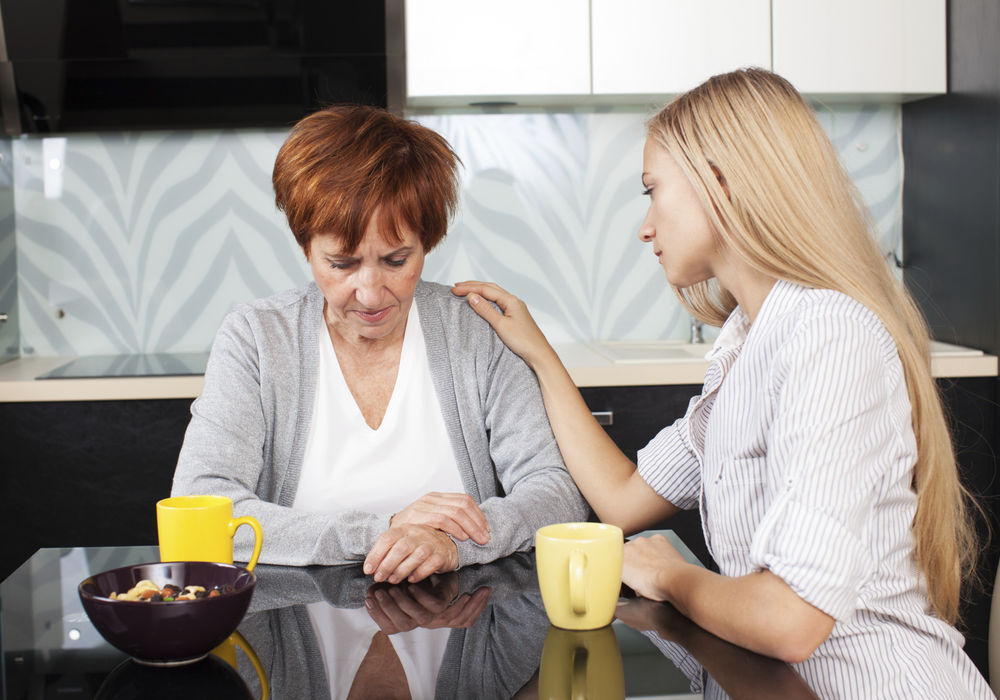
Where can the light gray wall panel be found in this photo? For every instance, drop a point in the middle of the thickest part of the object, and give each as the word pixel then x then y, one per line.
pixel 155 235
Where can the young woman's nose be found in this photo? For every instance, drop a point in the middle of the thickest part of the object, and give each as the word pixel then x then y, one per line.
pixel 646 230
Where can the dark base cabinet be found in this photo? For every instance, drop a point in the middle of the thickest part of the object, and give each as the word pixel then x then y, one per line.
pixel 638 414
pixel 85 473
pixel 972 405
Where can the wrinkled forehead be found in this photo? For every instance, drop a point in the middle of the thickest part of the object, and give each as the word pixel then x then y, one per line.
pixel 380 236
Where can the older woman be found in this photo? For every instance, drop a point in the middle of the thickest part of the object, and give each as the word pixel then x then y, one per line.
pixel 370 415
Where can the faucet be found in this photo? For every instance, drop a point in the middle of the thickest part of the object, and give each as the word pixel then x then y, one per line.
pixel 696 336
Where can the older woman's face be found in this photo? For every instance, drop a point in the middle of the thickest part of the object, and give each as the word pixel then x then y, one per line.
pixel 368 291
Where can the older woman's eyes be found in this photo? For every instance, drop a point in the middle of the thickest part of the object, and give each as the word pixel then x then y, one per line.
pixel 396 262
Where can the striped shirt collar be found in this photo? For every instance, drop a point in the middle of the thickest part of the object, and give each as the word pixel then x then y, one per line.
pixel 737 327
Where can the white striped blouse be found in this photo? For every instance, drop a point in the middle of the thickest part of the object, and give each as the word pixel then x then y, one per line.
pixel 799 454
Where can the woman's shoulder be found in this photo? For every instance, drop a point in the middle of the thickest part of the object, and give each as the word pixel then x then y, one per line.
pixel 285 304
pixel 454 312
pixel 829 316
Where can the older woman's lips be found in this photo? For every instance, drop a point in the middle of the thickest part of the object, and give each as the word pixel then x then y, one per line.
pixel 373 316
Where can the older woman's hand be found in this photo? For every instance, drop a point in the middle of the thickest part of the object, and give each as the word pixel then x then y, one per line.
pixel 515 326
pixel 457 514
pixel 411 553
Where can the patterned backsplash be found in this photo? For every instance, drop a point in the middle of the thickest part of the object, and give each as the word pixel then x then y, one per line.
pixel 140 242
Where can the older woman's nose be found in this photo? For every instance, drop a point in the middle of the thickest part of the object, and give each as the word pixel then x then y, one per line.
pixel 369 286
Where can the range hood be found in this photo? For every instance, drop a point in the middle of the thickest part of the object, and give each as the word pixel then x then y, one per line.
pixel 93 65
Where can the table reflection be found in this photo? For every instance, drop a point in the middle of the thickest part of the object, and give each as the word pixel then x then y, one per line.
pixel 329 632
pixel 209 677
pixel 716 668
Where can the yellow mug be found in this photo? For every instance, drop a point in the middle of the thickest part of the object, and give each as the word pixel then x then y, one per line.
pixel 581 664
pixel 579 573
pixel 201 528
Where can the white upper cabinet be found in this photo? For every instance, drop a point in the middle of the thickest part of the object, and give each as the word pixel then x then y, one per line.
pixel 655 47
pixel 863 47
pixel 471 48
pixel 592 51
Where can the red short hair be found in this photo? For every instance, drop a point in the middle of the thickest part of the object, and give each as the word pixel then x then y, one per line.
pixel 342 164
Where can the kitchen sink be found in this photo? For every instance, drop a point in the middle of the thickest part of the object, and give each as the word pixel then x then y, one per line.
pixel 649 351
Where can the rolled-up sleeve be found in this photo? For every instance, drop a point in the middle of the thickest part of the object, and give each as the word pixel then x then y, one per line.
pixel 841 428
pixel 670 465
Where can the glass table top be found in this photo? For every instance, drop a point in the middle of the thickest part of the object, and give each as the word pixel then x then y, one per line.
pixel 330 632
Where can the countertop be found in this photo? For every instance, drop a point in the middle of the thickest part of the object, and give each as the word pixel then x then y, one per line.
pixel 626 363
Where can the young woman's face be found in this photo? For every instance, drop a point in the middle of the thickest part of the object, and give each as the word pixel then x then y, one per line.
pixel 368 291
pixel 675 223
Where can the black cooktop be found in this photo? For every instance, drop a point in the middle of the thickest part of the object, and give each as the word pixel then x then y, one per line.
pixel 160 364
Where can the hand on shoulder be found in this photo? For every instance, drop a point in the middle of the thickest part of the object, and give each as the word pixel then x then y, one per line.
pixel 513 322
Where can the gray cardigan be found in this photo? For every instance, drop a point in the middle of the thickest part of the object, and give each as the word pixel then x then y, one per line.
pixel 249 427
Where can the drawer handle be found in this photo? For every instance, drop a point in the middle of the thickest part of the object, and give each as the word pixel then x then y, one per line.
pixel 604 417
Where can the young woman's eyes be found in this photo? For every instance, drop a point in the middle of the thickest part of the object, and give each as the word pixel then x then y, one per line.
pixel 647 191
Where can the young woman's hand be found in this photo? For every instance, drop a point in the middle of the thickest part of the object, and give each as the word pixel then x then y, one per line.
pixel 648 561
pixel 457 514
pixel 513 323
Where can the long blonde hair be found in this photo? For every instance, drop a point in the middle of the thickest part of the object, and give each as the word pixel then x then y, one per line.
pixel 789 210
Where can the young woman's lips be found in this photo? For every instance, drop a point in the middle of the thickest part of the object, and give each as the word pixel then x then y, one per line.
pixel 373 316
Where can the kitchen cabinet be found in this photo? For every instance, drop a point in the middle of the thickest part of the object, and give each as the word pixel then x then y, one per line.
pixel 862 47
pixel 85 473
pixel 468 51
pixel 638 51
pixel 670 46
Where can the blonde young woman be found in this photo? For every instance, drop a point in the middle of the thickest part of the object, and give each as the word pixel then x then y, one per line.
pixel 817 451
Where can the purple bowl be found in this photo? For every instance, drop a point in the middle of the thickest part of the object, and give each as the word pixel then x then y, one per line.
pixel 167 632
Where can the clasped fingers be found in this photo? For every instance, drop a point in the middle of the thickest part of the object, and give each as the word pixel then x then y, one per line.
pixel 456 514
pixel 410 553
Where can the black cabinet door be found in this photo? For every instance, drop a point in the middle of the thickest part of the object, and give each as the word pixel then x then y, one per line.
pixel 85 473
pixel 637 414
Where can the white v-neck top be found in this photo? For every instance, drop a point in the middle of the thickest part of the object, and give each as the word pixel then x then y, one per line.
pixel 347 465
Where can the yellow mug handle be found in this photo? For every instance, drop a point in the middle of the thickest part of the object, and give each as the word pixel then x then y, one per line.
pixel 578 684
pixel 577 589
pixel 238 640
pixel 258 536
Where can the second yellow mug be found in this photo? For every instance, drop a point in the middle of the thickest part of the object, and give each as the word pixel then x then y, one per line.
pixel 201 528
pixel 579 573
